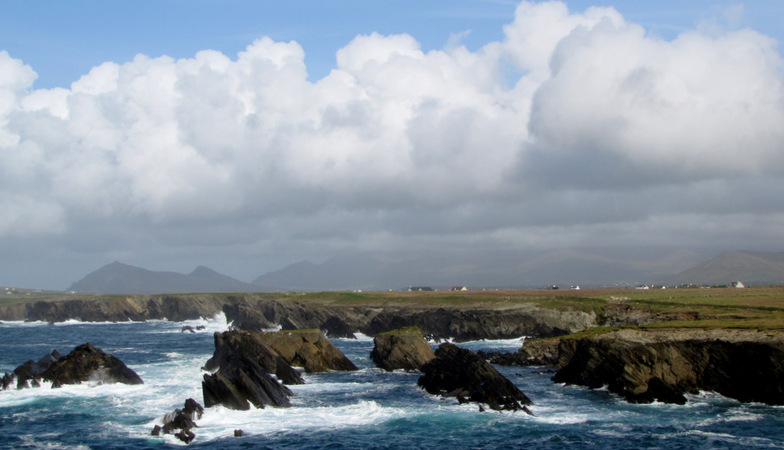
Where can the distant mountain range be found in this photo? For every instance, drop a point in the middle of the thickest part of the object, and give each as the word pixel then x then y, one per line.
pixel 118 278
pixel 399 270
pixel 750 268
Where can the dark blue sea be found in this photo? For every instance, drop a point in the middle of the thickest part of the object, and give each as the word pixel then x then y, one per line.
pixel 366 409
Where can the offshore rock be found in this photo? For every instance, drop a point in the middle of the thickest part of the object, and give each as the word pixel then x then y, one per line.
pixel 87 363
pixel 461 373
pixel 401 349
pixel 240 382
pixel 645 365
pixel 308 349
pixel 181 419
pixel 249 345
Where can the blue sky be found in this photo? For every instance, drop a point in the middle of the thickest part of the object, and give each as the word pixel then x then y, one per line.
pixel 63 40
pixel 246 135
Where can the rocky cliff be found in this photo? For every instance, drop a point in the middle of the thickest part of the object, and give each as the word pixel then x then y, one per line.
pixel 645 365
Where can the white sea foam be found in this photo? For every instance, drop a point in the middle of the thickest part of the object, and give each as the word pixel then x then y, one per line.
pixel 362 337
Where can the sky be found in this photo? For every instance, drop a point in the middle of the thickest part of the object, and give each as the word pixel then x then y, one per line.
pixel 248 135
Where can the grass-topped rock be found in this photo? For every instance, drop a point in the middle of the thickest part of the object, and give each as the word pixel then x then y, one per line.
pixel 404 348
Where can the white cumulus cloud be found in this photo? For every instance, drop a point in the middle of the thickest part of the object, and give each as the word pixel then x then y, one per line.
pixel 598 125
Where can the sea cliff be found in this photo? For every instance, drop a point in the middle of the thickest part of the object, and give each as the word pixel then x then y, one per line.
pixel 255 312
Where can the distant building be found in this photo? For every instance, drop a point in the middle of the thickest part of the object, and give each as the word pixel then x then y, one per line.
pixel 737 284
pixel 419 288
pixel 459 288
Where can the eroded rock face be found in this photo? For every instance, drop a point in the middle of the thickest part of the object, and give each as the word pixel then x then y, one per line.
pixel 335 327
pixel 461 373
pixel 647 365
pixel 468 325
pixel 87 363
pixel 308 349
pixel 403 349
pixel 244 318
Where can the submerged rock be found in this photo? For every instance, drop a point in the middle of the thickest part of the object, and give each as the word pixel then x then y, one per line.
pixel 461 373
pixel 401 349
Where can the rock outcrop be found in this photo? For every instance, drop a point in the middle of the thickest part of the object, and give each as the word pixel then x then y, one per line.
pixel 233 345
pixel 403 349
pixel 645 365
pixel 461 373
pixel 308 349
pixel 84 364
pixel 240 382
pixel 181 419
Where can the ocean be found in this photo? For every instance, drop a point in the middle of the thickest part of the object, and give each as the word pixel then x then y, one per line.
pixel 366 409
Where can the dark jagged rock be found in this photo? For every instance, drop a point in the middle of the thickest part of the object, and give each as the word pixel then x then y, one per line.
pixel 461 373
pixel 287 323
pixel 188 328
pixel 664 364
pixel 181 419
pixel 308 349
pixel 8 380
pixel 30 372
pixel 401 349
pixel 241 382
pixel 252 346
pixel 87 363
pixel 84 363
pixel 335 327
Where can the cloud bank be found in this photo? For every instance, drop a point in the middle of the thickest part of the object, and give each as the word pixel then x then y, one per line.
pixel 578 128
